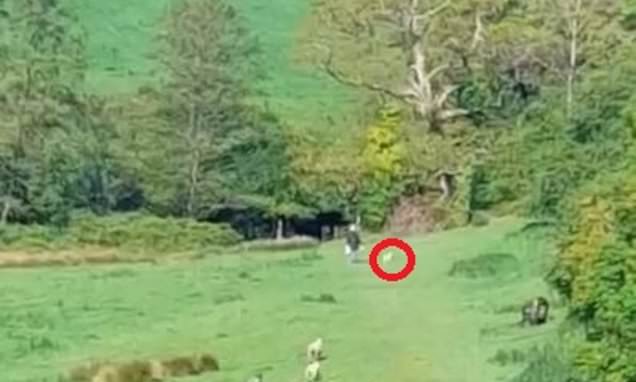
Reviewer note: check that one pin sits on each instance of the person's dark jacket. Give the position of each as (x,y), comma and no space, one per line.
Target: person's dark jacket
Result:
(353,240)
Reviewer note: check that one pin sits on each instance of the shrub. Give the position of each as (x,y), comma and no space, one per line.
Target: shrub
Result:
(33,236)
(296,242)
(479,219)
(596,263)
(132,231)
(506,357)
(546,365)
(383,161)
(139,231)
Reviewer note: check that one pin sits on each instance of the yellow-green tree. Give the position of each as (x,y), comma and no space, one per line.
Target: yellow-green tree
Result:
(597,264)
(383,167)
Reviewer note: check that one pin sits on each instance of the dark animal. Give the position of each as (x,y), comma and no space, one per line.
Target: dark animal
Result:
(535,311)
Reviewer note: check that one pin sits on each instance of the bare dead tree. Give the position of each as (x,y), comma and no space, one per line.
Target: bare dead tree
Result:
(422,91)
(583,27)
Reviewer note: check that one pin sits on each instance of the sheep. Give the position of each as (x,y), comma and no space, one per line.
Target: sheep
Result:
(312,372)
(157,371)
(106,373)
(387,257)
(256,378)
(314,350)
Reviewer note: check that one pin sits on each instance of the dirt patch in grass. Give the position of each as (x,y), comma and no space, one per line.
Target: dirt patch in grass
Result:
(143,370)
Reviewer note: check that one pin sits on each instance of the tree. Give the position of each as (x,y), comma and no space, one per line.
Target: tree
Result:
(595,264)
(41,68)
(408,53)
(325,177)
(206,54)
(629,15)
(383,160)
(257,172)
(586,30)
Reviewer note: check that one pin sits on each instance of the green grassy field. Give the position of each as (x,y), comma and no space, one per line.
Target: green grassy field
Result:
(252,311)
(121,37)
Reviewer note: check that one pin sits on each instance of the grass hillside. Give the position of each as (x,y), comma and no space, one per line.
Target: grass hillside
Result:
(121,36)
(258,312)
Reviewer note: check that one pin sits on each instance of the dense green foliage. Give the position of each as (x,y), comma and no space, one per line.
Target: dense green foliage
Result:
(383,156)
(596,273)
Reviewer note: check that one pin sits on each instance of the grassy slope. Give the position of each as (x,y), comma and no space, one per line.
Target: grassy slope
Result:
(427,328)
(121,35)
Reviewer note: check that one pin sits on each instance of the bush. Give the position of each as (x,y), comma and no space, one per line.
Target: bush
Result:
(547,365)
(139,231)
(132,231)
(507,357)
(33,236)
(596,262)
(480,219)
(296,242)
(383,158)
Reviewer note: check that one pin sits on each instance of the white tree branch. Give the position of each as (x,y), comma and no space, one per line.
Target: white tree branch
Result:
(336,75)
(479,32)
(446,115)
(436,71)
(433,11)
(443,97)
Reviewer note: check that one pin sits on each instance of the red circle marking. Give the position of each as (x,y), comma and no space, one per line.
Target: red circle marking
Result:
(392,242)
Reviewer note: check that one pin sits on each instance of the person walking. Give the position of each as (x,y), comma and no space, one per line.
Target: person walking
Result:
(352,243)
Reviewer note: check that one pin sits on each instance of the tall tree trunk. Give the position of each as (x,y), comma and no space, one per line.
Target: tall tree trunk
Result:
(194,181)
(196,158)
(573,27)
(6,208)
(280,227)
(20,149)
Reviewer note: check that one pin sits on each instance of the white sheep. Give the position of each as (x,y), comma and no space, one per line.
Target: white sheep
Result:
(314,350)
(106,373)
(312,372)
(387,257)
(256,378)
(157,371)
